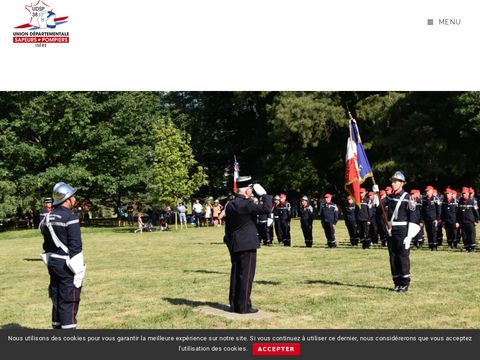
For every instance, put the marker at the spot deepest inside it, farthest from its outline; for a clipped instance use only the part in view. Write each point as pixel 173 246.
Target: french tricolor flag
pixel 236 174
pixel 357 167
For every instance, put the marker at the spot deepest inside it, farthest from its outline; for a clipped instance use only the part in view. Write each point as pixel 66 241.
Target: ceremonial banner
pixel 236 173
pixel 357 167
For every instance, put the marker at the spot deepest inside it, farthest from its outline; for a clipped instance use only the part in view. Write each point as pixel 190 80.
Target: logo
pixel 45 26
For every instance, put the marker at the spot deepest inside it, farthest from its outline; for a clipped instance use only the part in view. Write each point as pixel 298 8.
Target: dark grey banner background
pixel 329 349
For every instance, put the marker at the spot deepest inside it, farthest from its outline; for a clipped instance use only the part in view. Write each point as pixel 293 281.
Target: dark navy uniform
pixel 449 218
pixel 64 294
pixel 351 222
pixel 364 217
pixel 263 230
pixel 380 221
pixel 242 241
pixel 306 221
pixel 399 255
pixel 467 217
pixel 329 218
pixel 431 214
pixel 419 238
pixel 283 212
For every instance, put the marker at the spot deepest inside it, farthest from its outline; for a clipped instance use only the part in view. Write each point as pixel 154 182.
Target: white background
pixel 247 45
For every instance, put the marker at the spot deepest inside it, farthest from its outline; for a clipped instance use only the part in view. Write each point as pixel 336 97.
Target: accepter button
pixel 276 349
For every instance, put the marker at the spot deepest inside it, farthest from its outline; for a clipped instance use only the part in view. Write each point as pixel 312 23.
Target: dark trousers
pixel 65 296
pixel 307 232
pixel 419 238
pixel 278 230
pixel 198 219
pixel 451 231
pixel 329 234
pixel 470 234
pixel 241 280
pixel 264 233
pixel 399 256
pixel 352 232
pixel 439 233
pixel 431 234
pixel 374 231
pixel 364 234
pixel 285 229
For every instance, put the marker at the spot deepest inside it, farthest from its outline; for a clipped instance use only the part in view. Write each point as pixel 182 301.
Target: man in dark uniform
pixel 401 215
pixel 64 257
pixel 364 218
pixel 306 221
pixel 276 219
pixel 285 216
pixel 449 218
pixel 263 227
pixel 380 219
pixel 242 241
pixel 416 199
pixel 467 217
pixel 351 220
pixel 431 213
pixel 329 218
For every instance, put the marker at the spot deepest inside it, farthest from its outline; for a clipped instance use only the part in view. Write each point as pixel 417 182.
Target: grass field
pixel 157 280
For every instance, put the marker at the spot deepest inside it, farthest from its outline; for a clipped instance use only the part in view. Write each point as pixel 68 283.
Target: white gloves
pixel 78 268
pixel 406 242
pixel 78 278
pixel 259 190
pixel 375 188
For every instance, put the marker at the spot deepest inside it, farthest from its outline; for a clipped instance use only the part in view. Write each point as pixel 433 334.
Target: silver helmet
pixel 398 176
pixel 62 192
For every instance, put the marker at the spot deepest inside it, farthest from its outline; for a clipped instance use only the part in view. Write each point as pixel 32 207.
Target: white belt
pixel 65 257
pixel 399 223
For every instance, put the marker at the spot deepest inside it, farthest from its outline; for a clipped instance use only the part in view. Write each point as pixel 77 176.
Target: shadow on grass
pixel 204 272
pixel 267 282
pixel 12 326
pixel 32 259
pixel 337 283
pixel 192 303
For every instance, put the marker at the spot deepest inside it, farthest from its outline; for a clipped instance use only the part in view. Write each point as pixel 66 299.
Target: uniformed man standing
pixel 285 216
pixel 306 221
pixel 263 227
pixel 329 218
pixel 351 220
pixel 431 213
pixel 242 241
pixel 416 199
pixel 404 227
pixel 449 218
pixel 364 218
pixel 467 217
pixel 64 257
pixel 276 219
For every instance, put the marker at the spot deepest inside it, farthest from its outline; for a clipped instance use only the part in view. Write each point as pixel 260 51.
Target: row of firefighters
pixel 366 225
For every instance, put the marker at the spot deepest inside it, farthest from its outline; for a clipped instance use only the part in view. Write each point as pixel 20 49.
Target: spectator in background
pixel 197 211
pixel 208 213
pixel 130 214
pixel 86 213
pixel 140 223
pixel 121 217
pixel 182 215
pixel 217 209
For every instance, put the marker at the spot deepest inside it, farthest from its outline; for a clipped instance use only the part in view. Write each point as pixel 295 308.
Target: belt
pixel 65 257
pixel 399 223
pixel 263 221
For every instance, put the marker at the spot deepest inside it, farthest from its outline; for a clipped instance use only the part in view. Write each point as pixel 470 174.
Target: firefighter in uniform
pixel 329 218
pixel 416 199
pixel 242 241
pixel 364 218
pixel 306 221
pixel 401 215
pixel 381 226
pixel 63 256
pixel 431 213
pixel 449 218
pixel 467 217
pixel 284 217
pixel 276 219
pixel 263 227
pixel 351 221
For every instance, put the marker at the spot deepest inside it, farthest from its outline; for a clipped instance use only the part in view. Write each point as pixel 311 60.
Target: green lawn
pixel 157 280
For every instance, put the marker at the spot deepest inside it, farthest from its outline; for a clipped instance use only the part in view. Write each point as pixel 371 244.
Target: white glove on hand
pixel 259 190
pixel 78 278
pixel 406 242
pixel 375 188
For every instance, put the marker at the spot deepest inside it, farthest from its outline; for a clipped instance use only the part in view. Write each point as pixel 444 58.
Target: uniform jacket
pixel 449 211
pixel 283 211
pixel 365 212
pixel 431 208
pixel 67 228
pixel 467 211
pixel 350 213
pixel 329 213
pixel 306 214
pixel 241 219
pixel 406 211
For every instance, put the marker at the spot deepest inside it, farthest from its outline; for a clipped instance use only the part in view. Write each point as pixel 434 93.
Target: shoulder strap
pixel 55 238
pixel 395 212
